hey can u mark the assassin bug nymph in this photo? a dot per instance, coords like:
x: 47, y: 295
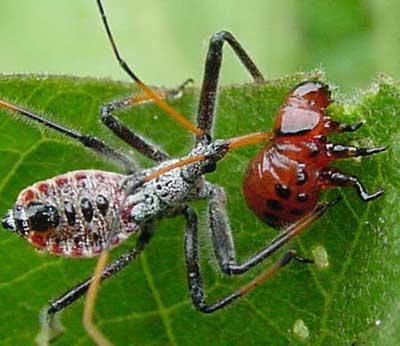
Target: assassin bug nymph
x: 84, y: 213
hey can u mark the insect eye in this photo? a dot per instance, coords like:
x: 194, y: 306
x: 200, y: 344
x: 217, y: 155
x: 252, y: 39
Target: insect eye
x: 42, y: 217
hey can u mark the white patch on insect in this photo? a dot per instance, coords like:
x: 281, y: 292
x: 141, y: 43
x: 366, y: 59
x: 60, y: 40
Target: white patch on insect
x: 300, y: 329
x: 9, y: 221
x: 320, y: 257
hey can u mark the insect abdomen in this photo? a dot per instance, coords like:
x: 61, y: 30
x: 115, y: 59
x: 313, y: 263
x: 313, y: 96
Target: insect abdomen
x: 76, y: 214
x: 280, y: 190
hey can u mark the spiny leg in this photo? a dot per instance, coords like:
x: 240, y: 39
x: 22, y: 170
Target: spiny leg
x: 153, y: 95
x: 87, y: 140
x: 222, y: 239
x: 125, y: 133
x: 332, y: 177
x: 205, y: 112
x: 193, y: 270
x: 59, y: 304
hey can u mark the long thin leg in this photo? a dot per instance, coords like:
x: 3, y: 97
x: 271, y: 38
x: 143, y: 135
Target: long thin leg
x: 125, y: 133
x: 221, y: 233
x: 193, y: 270
x: 205, y: 112
x: 78, y: 291
x: 332, y: 177
x: 88, y: 141
x: 153, y: 95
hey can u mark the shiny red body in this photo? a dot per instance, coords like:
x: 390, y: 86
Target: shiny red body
x: 283, y: 182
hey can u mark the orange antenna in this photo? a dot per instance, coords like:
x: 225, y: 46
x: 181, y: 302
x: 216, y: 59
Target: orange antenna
x: 172, y: 112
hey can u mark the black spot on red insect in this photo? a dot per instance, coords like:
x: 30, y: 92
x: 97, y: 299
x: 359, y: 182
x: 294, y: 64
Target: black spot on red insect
x: 297, y: 212
x: 295, y: 158
x: 302, y: 197
x: 271, y: 220
x: 274, y: 204
x: 282, y: 190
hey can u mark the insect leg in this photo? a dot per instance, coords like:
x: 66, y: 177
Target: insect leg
x: 87, y: 140
x: 79, y: 290
x: 340, y: 151
x: 205, y: 112
x: 222, y: 239
x: 335, y: 126
x: 193, y: 270
x: 332, y: 177
x: 172, y: 112
x: 126, y: 134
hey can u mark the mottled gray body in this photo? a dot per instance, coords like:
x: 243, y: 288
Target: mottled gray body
x: 81, y: 213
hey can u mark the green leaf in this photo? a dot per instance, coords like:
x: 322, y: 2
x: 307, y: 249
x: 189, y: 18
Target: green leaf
x: 354, y: 299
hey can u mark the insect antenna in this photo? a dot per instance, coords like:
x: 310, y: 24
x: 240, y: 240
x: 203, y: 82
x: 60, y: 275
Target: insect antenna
x: 172, y: 112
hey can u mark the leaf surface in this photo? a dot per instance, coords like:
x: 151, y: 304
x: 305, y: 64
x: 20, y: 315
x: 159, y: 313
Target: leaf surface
x: 354, y: 299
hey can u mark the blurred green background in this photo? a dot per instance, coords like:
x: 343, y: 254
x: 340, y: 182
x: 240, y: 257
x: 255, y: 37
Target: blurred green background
x: 166, y: 41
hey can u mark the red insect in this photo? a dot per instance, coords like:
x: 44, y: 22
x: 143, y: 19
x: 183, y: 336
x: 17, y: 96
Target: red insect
x: 283, y: 182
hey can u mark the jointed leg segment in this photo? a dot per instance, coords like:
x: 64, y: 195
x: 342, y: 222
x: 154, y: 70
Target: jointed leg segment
x: 341, y: 151
x: 221, y: 233
x: 205, y: 112
x: 194, y: 277
x: 88, y: 141
x: 125, y: 133
x: 78, y: 291
x: 333, y: 178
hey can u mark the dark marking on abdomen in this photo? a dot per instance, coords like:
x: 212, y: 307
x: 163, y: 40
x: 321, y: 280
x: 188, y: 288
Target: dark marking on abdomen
x: 87, y: 209
x: 102, y: 204
x: 274, y: 204
x: 70, y: 213
x: 282, y: 191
